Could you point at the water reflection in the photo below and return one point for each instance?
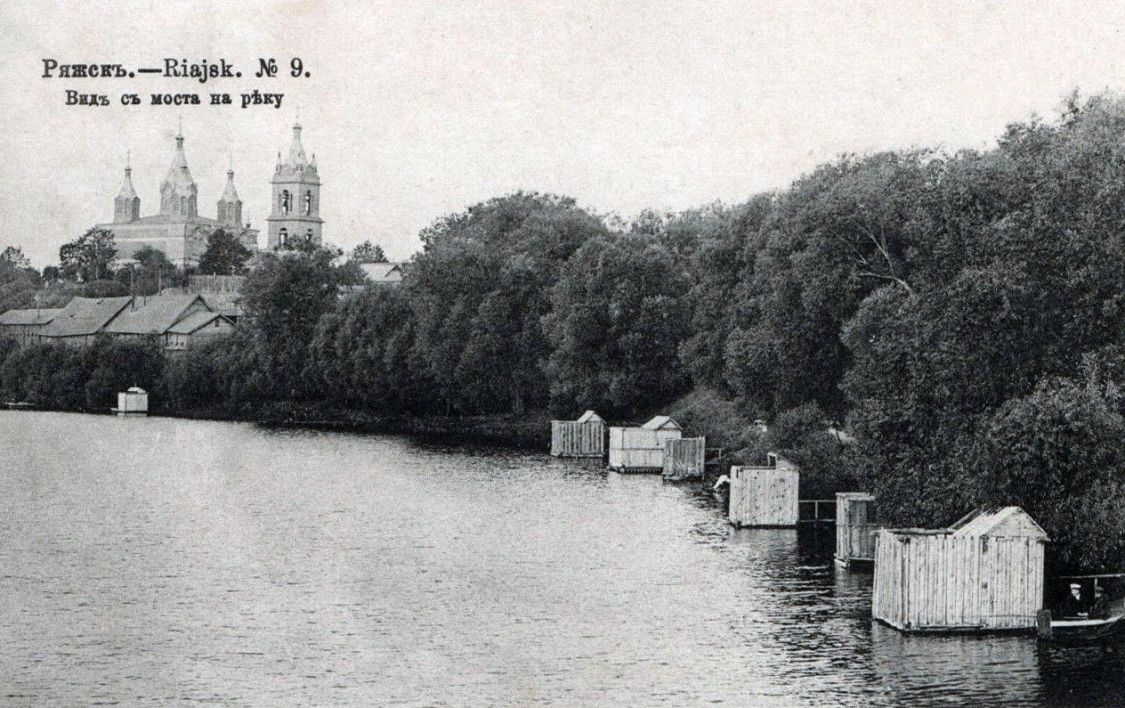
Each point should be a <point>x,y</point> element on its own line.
<point>162,561</point>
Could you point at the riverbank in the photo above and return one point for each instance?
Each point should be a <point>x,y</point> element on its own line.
<point>531,431</point>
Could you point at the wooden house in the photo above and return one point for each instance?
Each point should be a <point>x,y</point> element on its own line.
<point>765,496</point>
<point>641,449</point>
<point>684,458</point>
<point>855,528</point>
<point>984,573</point>
<point>584,437</point>
<point>24,325</point>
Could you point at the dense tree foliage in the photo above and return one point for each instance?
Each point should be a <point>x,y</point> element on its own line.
<point>225,254</point>
<point>89,257</point>
<point>368,252</point>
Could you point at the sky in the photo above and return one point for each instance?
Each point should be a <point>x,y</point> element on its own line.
<point>419,110</point>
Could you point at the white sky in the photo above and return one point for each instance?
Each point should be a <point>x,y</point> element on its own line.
<point>418,110</point>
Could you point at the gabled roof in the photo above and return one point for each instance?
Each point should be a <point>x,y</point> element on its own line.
<point>29,317</point>
<point>152,315</point>
<point>84,315</point>
<point>661,422</point>
<point>591,416</point>
<point>195,321</point>
<point>1006,521</point>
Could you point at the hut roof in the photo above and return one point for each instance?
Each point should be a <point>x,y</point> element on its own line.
<point>1006,521</point>
<point>661,422</point>
<point>857,496</point>
<point>591,417</point>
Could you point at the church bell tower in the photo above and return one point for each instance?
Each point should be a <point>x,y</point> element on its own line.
<point>295,215</point>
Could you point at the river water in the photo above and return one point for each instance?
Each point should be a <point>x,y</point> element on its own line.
<point>158,561</point>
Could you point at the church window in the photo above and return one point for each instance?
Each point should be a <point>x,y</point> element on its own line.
<point>183,205</point>
<point>308,203</point>
<point>283,235</point>
<point>309,235</point>
<point>286,204</point>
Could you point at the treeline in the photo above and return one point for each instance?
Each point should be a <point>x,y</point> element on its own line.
<point>961,316</point>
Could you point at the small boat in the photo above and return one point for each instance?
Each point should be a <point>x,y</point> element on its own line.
<point>1079,630</point>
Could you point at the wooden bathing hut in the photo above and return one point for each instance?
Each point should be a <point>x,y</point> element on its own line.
<point>684,458</point>
<point>984,573</point>
<point>584,437</point>
<point>641,449</point>
<point>855,528</point>
<point>765,496</point>
<point>132,402</point>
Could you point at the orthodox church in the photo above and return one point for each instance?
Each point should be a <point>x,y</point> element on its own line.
<point>181,233</point>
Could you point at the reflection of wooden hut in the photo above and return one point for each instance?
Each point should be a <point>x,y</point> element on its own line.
<point>642,449</point>
<point>983,573</point>
<point>765,496</point>
<point>132,402</point>
<point>684,457</point>
<point>584,437</point>
<point>855,528</point>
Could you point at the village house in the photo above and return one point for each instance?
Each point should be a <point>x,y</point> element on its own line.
<point>177,319</point>
<point>24,325</point>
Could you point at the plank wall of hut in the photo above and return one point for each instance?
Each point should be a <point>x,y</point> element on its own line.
<point>585,437</point>
<point>641,449</point>
<point>765,496</point>
<point>855,528</point>
<point>684,458</point>
<point>985,573</point>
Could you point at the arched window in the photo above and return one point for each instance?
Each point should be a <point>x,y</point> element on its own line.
<point>283,236</point>
<point>286,203</point>
<point>308,203</point>
<point>309,235</point>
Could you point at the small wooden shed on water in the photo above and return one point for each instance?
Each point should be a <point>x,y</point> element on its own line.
<point>765,496</point>
<point>984,573</point>
<point>641,449</point>
<point>584,437</point>
<point>684,458</point>
<point>855,528</point>
<point>132,402</point>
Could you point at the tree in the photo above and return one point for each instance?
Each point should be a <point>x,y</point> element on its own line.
<point>89,257</point>
<point>368,252</point>
<point>1058,453</point>
<point>284,299</point>
<point>225,254</point>
<point>12,256</point>
<point>618,314</point>
<point>151,272</point>
<point>480,290</point>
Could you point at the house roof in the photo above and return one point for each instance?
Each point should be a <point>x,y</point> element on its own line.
<point>195,321</point>
<point>84,315</point>
<point>661,422</point>
<point>591,416</point>
<point>382,272</point>
<point>1006,521</point>
<point>152,315</point>
<point>29,317</point>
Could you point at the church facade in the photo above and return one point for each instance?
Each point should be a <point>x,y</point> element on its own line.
<point>181,232</point>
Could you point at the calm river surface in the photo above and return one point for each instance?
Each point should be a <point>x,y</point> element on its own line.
<point>160,561</point>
